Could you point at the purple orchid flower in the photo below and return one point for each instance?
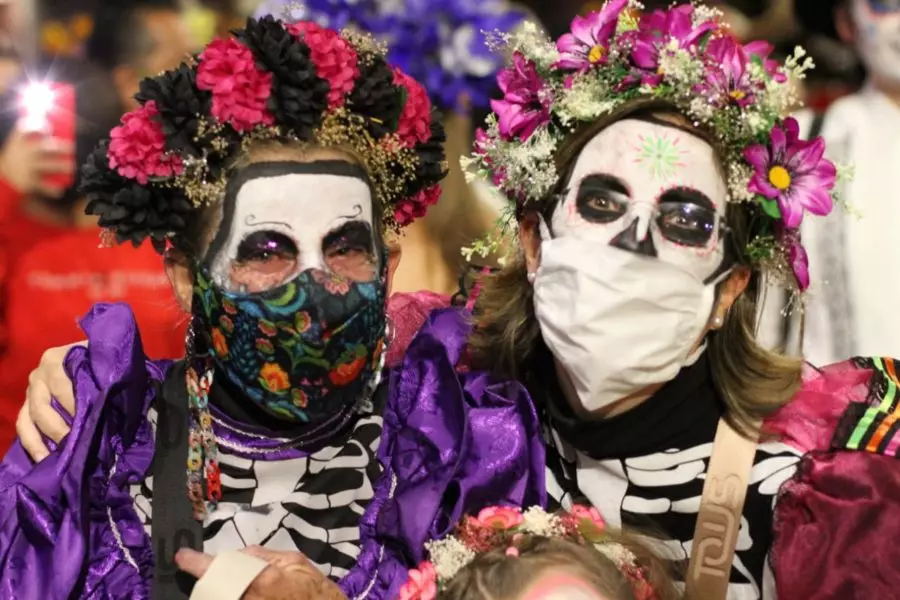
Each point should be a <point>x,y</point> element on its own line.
<point>588,43</point>
<point>657,29</point>
<point>522,109</point>
<point>728,78</point>
<point>793,172</point>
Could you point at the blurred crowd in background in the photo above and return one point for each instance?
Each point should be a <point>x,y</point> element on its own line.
<point>52,265</point>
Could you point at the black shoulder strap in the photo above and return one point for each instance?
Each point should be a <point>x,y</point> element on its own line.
<point>173,524</point>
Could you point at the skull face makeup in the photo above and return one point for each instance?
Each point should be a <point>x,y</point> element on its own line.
<point>291,292</point>
<point>639,240</point>
<point>878,36</point>
<point>282,218</point>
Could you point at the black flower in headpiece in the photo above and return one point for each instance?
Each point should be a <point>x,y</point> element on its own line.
<point>299,97</point>
<point>134,211</point>
<point>432,167</point>
<point>377,97</point>
<point>180,106</point>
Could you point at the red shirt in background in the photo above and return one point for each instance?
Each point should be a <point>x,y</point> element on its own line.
<point>50,277</point>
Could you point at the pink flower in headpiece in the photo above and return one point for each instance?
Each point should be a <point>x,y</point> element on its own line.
<point>500,517</point>
<point>240,90</point>
<point>655,32</point>
<point>799,264</point>
<point>524,106</point>
<point>728,78</point>
<point>334,57</point>
<point>415,207</point>
<point>588,43</point>
<point>422,583</point>
<point>760,50</point>
<point>415,120</point>
<point>589,513</point>
<point>137,147</point>
<point>793,172</point>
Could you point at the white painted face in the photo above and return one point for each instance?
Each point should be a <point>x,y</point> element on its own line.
<point>560,585</point>
<point>650,188</point>
<point>878,36</point>
<point>283,218</point>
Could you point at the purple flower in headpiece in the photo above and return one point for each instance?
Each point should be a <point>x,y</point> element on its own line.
<point>588,43</point>
<point>657,29</point>
<point>522,109</point>
<point>728,78</point>
<point>793,172</point>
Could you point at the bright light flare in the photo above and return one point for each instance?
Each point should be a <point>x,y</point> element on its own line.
<point>37,100</point>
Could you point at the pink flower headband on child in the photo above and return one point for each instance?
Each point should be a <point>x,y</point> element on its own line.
<point>499,527</point>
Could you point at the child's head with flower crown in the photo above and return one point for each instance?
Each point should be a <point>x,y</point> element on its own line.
<point>507,554</point>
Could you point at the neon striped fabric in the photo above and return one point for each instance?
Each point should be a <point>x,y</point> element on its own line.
<point>874,426</point>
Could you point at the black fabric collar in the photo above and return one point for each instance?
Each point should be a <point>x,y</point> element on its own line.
<point>678,416</point>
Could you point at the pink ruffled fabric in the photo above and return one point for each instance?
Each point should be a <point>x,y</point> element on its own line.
<point>407,313</point>
<point>809,421</point>
<point>836,529</point>
<point>837,519</point>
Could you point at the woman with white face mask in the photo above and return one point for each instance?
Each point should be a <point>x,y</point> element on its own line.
<point>656,184</point>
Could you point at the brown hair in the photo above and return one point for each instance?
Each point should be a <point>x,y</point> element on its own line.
<point>752,380</point>
<point>496,576</point>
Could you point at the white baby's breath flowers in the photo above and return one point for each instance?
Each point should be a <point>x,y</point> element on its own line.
<point>531,41</point>
<point>538,522</point>
<point>705,14</point>
<point>587,98</point>
<point>679,66</point>
<point>739,175</point>
<point>448,556</point>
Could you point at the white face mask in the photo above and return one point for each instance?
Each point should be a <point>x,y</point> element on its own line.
<point>878,36</point>
<point>626,284</point>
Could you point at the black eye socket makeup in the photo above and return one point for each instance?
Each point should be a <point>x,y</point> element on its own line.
<point>602,198</point>
<point>263,245</point>
<point>687,217</point>
<point>353,236</point>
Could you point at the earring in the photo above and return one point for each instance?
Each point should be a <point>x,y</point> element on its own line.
<point>718,321</point>
<point>531,277</point>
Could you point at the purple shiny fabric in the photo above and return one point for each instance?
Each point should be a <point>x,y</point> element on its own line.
<point>68,525</point>
<point>453,443</point>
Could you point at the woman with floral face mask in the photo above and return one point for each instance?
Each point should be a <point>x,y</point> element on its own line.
<point>268,169</point>
<point>656,185</point>
<point>442,45</point>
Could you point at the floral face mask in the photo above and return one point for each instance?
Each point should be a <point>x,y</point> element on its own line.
<point>305,351</point>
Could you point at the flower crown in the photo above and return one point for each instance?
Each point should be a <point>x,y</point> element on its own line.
<point>440,43</point>
<point>683,56</point>
<point>270,81</point>
<point>500,527</point>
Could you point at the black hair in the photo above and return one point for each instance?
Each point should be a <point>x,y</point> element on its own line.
<point>817,17</point>
<point>120,36</point>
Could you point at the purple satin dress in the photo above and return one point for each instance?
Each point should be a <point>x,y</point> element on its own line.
<point>452,443</point>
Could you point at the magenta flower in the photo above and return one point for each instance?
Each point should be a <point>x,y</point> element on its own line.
<point>728,78</point>
<point>588,44</point>
<point>799,264</point>
<point>793,172</point>
<point>657,29</point>
<point>760,51</point>
<point>523,109</point>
